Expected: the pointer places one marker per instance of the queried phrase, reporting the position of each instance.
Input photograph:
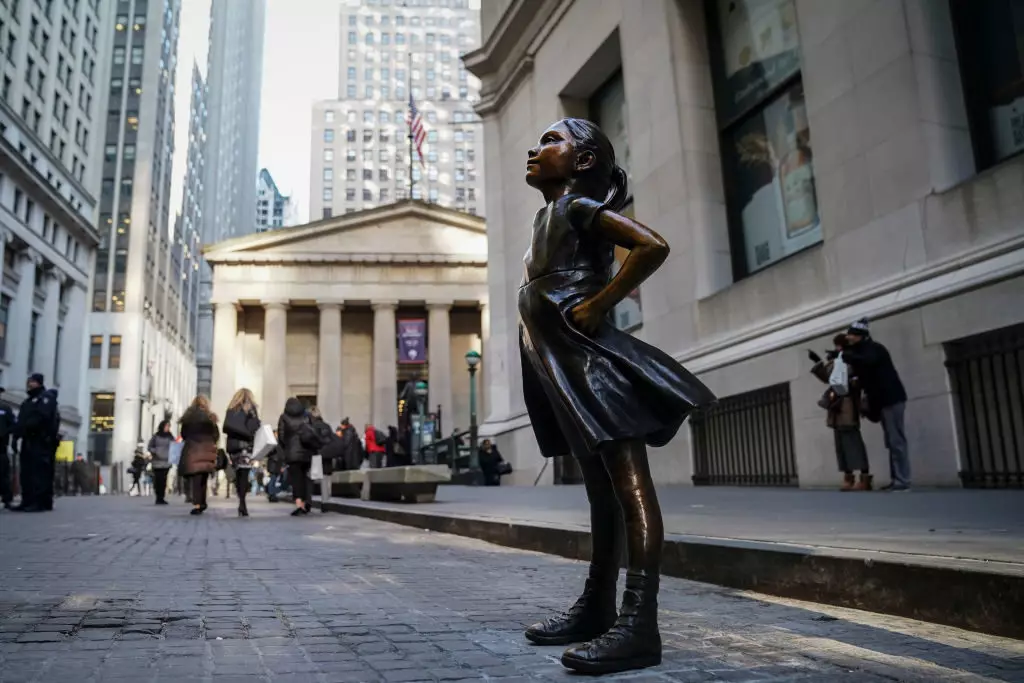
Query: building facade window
(101, 414)
(328, 135)
(33, 333)
(5, 316)
(114, 352)
(95, 352)
(764, 138)
(990, 47)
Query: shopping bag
(264, 443)
(839, 381)
(174, 452)
(316, 468)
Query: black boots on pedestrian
(591, 615)
(633, 642)
(243, 511)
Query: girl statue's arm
(647, 251)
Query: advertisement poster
(412, 340)
(761, 47)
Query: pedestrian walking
(300, 443)
(159, 452)
(136, 469)
(241, 422)
(597, 392)
(198, 427)
(6, 432)
(843, 418)
(884, 395)
(37, 431)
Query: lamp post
(420, 391)
(472, 360)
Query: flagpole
(411, 182)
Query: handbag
(504, 467)
(316, 468)
(222, 459)
(264, 443)
(839, 380)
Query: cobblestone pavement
(117, 589)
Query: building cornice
(320, 258)
(507, 56)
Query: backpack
(379, 437)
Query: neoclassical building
(344, 312)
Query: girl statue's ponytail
(618, 192)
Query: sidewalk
(888, 552)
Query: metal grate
(986, 374)
(746, 440)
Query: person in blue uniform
(597, 392)
(37, 430)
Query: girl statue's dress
(583, 392)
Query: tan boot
(848, 483)
(864, 484)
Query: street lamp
(420, 392)
(472, 360)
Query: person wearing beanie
(37, 430)
(885, 397)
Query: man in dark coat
(6, 431)
(37, 429)
(886, 398)
(351, 449)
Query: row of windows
(384, 92)
(384, 116)
(384, 155)
(443, 39)
(384, 135)
(369, 74)
(461, 194)
(39, 221)
(414, 20)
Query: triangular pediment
(404, 231)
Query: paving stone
(364, 601)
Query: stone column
(385, 392)
(275, 359)
(439, 355)
(20, 325)
(328, 367)
(483, 394)
(46, 330)
(72, 366)
(225, 336)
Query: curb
(983, 601)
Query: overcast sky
(300, 66)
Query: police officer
(6, 431)
(37, 429)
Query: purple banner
(412, 340)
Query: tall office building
(188, 228)
(140, 364)
(234, 76)
(53, 91)
(273, 209)
(360, 148)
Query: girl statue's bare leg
(594, 611)
(634, 641)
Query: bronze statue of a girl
(597, 392)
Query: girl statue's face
(553, 159)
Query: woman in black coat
(299, 442)
(199, 455)
(241, 422)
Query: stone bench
(412, 484)
(347, 483)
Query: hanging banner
(412, 340)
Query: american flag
(416, 129)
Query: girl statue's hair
(607, 177)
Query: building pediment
(405, 232)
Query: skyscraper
(141, 363)
(234, 77)
(53, 86)
(360, 148)
(273, 209)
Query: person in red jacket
(375, 445)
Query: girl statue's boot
(634, 642)
(591, 615)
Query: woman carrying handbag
(241, 422)
(198, 428)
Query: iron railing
(986, 374)
(745, 440)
